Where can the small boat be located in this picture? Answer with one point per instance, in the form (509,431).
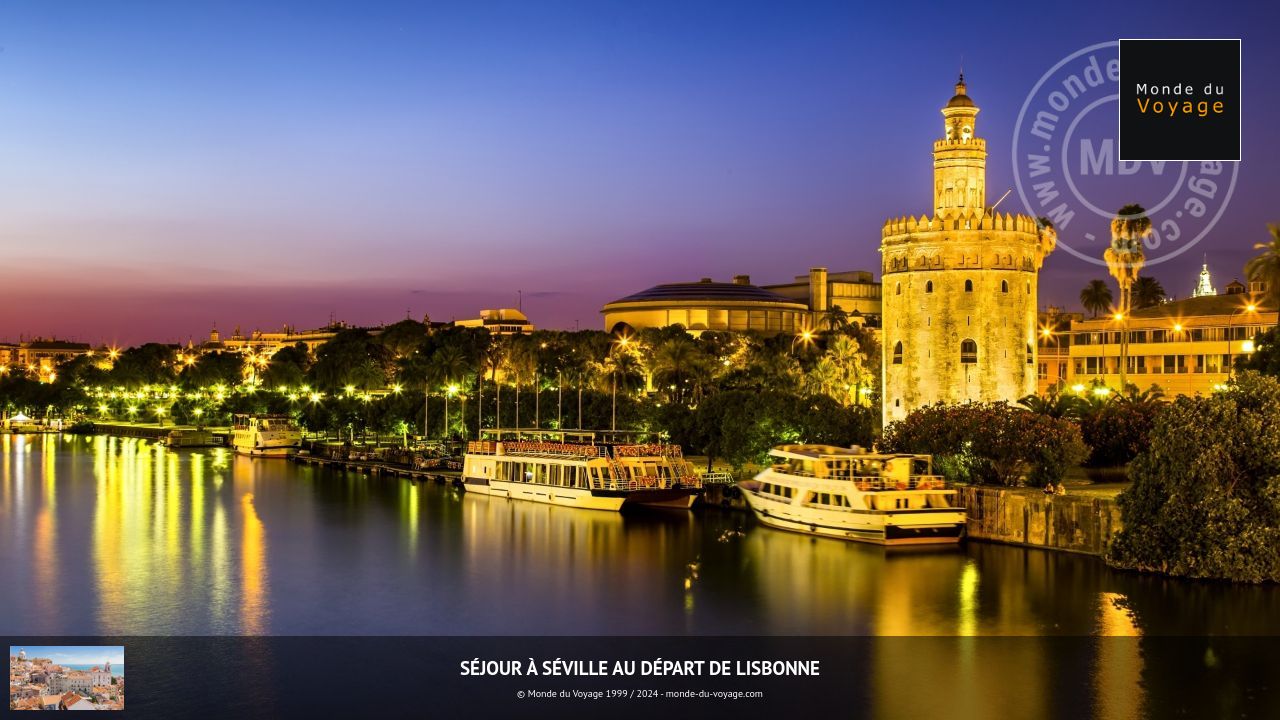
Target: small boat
(190,438)
(585,469)
(265,435)
(852,494)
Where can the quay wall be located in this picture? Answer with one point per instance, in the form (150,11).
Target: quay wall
(1073,523)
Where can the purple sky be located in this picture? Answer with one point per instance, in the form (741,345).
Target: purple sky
(164,168)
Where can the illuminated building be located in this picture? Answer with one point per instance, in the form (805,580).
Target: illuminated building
(707,305)
(502,321)
(854,292)
(1053,357)
(268,343)
(1186,347)
(1205,285)
(959,284)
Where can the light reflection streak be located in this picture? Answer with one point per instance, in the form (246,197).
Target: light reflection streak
(253,570)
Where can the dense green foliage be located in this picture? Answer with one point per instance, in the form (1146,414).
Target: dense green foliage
(1265,357)
(1120,428)
(733,393)
(1205,500)
(991,443)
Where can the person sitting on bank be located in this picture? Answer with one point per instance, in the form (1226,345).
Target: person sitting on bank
(1062,489)
(1048,488)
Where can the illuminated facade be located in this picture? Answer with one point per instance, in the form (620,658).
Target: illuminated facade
(502,321)
(805,303)
(1186,347)
(707,305)
(855,293)
(960,284)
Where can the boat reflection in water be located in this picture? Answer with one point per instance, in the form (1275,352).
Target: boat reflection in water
(123,536)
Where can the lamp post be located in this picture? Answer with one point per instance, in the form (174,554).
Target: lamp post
(1250,308)
(1122,318)
(450,391)
(623,342)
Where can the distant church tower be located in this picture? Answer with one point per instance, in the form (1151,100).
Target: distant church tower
(1205,286)
(960,283)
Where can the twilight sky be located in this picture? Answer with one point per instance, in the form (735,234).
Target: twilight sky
(163,168)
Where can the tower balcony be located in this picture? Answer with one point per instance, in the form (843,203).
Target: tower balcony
(975,143)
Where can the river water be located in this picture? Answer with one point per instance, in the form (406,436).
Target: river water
(114,536)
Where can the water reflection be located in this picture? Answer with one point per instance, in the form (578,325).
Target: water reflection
(121,536)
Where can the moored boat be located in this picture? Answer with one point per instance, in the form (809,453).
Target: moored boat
(579,469)
(190,438)
(851,494)
(265,435)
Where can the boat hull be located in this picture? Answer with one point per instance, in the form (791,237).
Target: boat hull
(672,498)
(282,451)
(922,527)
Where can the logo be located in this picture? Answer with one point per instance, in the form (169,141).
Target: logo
(1067,168)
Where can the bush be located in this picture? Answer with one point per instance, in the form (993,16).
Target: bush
(1119,430)
(1205,500)
(989,443)
(742,425)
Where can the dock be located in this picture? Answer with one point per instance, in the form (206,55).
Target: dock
(150,431)
(374,467)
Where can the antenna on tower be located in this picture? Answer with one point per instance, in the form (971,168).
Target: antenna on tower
(1002,197)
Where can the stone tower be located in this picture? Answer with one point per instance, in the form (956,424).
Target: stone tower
(959,295)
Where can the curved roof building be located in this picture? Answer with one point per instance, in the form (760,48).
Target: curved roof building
(707,305)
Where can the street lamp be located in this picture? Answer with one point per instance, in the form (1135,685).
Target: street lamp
(623,342)
(450,391)
(1245,346)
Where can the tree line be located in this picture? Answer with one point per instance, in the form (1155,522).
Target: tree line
(732,393)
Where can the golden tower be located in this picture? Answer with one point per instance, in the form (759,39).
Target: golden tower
(959,293)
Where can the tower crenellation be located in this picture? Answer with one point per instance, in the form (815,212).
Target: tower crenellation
(960,284)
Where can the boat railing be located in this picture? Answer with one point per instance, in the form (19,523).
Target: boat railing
(646,482)
(717,478)
(647,450)
(536,449)
(868,483)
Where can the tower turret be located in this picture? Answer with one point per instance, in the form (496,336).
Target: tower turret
(959,159)
(960,284)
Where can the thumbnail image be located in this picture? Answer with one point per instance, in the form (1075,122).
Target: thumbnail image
(66,677)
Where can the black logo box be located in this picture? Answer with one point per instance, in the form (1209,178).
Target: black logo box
(1187,68)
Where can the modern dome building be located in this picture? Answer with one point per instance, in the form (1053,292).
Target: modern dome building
(708,305)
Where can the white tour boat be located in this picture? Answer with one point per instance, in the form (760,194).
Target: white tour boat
(265,435)
(575,469)
(855,495)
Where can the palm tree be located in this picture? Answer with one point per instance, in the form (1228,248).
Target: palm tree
(1265,268)
(1096,297)
(1147,292)
(678,362)
(1055,404)
(836,320)
(1124,259)
(451,364)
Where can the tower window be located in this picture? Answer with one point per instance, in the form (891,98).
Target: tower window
(897,353)
(899,290)
(1004,286)
(1031,354)
(1028,287)
(968,286)
(928,287)
(968,352)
